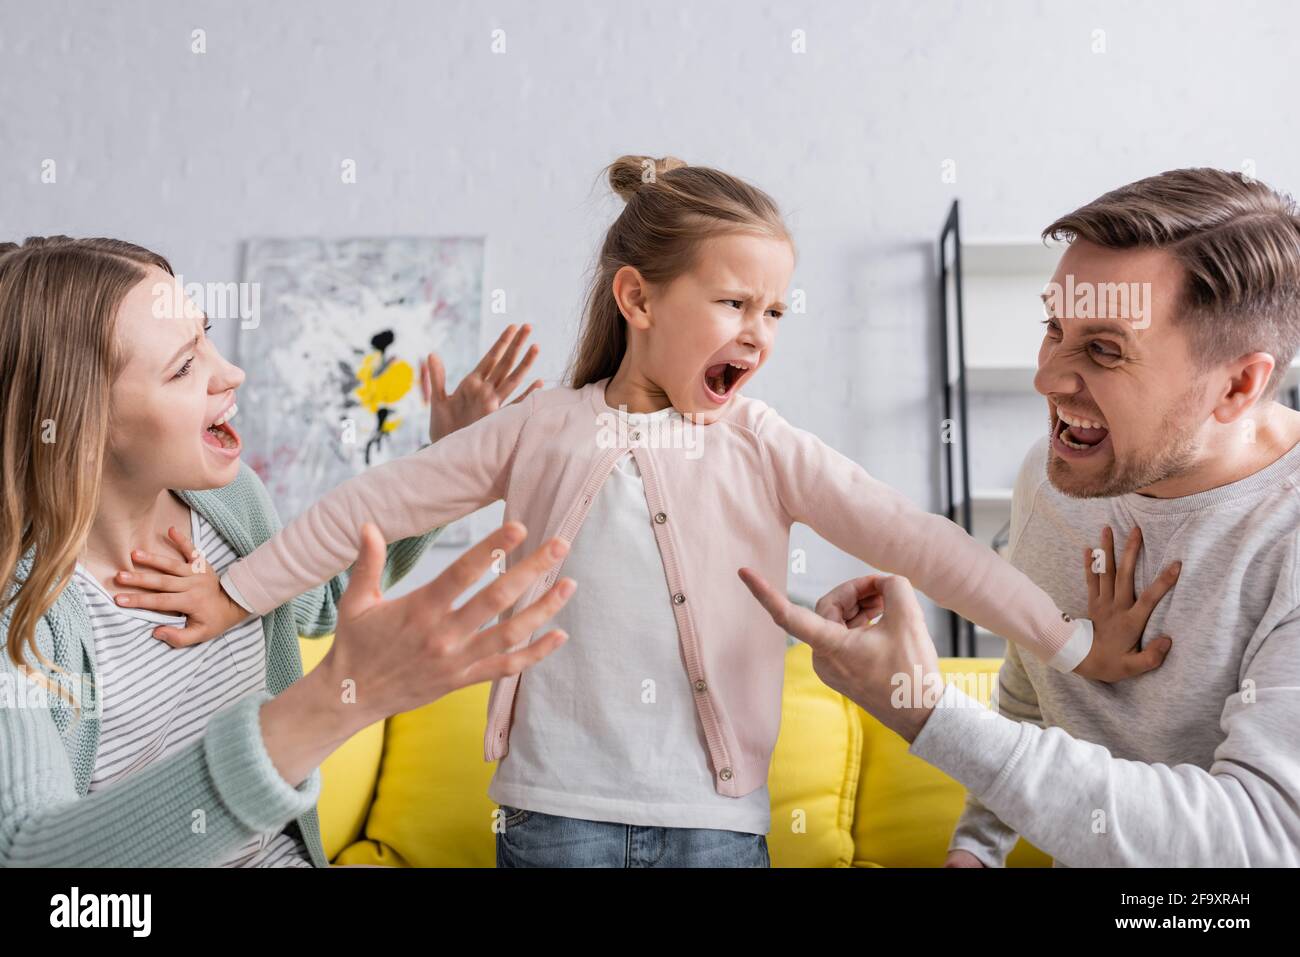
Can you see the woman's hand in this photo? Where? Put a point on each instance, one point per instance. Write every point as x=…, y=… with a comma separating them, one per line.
x=184, y=585
x=1118, y=618
x=394, y=656
x=481, y=392
x=404, y=653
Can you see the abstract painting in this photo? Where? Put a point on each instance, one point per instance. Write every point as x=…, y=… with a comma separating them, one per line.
x=333, y=359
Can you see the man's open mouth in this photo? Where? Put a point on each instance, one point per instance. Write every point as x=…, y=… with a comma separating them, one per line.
x=220, y=434
x=1078, y=432
x=722, y=378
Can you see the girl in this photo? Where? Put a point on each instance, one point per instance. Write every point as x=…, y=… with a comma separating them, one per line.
x=646, y=739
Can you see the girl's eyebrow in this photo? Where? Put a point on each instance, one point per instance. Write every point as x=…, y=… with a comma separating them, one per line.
x=746, y=294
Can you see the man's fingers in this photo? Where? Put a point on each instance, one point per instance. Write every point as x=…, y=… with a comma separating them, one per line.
x=900, y=597
x=1157, y=590
x=363, y=583
x=495, y=598
x=804, y=624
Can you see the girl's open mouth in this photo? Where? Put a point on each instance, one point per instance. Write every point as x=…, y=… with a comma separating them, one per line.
x=221, y=436
x=720, y=380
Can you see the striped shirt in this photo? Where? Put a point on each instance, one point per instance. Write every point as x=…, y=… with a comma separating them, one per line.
x=159, y=699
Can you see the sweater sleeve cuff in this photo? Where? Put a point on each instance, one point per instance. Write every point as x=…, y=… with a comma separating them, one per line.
x=244, y=775
x=229, y=588
x=967, y=741
x=1075, y=649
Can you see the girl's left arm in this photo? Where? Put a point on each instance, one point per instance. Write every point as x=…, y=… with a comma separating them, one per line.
x=839, y=500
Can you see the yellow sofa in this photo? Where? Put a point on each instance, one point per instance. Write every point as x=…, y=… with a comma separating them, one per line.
x=412, y=791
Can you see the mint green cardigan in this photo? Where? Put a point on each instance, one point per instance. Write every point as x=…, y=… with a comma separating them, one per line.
x=197, y=806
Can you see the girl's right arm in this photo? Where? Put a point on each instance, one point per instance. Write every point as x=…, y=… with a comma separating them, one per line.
x=455, y=476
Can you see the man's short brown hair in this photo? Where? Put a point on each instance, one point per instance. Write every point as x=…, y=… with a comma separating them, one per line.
x=1239, y=243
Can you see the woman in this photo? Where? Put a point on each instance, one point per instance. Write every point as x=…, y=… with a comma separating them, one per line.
x=117, y=748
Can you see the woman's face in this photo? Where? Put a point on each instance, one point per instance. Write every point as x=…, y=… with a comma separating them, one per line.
x=173, y=386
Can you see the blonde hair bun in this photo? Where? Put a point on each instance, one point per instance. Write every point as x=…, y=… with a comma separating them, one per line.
x=629, y=174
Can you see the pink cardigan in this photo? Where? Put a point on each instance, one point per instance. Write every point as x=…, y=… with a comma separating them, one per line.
x=720, y=496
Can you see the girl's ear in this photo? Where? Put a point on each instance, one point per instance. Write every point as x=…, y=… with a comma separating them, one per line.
x=631, y=292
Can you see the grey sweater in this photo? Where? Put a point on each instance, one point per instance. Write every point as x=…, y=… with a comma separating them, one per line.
x=197, y=806
x=1194, y=764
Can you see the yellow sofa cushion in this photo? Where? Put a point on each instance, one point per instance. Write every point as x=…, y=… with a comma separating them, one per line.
x=907, y=809
x=348, y=775
x=813, y=781
x=431, y=807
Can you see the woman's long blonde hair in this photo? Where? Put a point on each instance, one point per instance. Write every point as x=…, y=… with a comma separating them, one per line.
x=671, y=208
x=59, y=299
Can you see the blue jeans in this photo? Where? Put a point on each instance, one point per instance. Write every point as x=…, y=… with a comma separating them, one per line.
x=534, y=839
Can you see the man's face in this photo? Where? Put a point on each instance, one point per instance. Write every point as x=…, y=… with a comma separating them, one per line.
x=1126, y=403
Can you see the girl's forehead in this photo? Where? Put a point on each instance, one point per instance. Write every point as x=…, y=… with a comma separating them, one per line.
x=751, y=260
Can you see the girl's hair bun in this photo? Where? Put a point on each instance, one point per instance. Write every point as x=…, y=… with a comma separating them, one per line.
x=629, y=174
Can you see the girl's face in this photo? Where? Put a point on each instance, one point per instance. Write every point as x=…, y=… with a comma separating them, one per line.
x=172, y=389
x=710, y=329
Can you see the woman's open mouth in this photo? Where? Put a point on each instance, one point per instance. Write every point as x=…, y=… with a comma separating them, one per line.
x=1076, y=436
x=221, y=437
x=721, y=380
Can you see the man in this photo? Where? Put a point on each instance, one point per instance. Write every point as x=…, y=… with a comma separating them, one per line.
x=1163, y=428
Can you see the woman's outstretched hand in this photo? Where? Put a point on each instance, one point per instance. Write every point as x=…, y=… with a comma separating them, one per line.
x=481, y=392
x=391, y=656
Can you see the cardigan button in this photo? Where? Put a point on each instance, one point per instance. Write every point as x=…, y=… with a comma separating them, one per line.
x=700, y=685
x=679, y=598
x=635, y=436
x=660, y=518
x=1064, y=616
x=725, y=774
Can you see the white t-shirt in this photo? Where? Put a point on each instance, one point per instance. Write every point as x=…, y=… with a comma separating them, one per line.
x=605, y=728
x=158, y=699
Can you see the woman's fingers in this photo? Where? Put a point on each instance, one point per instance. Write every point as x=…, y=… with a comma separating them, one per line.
x=532, y=387
x=438, y=595
x=490, y=358
x=436, y=376
x=493, y=599
x=512, y=663
x=179, y=637
x=516, y=629
x=511, y=382
x=502, y=369
x=364, y=582
x=1127, y=568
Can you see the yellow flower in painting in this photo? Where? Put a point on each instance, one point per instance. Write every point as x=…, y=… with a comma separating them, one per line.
x=384, y=389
